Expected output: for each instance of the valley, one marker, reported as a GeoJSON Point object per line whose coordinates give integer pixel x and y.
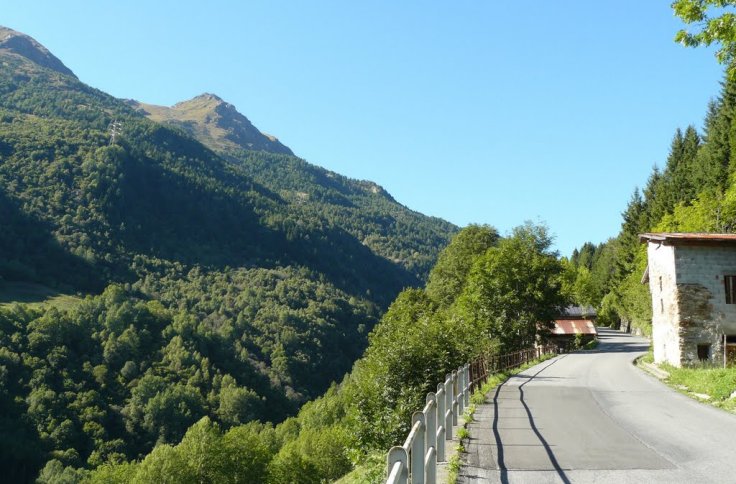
{"type": "Point", "coordinates": [183, 298]}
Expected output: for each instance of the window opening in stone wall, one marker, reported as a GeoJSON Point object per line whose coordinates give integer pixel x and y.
{"type": "Point", "coordinates": [660, 283]}
{"type": "Point", "coordinates": [661, 306]}
{"type": "Point", "coordinates": [730, 284]}
{"type": "Point", "coordinates": [704, 352]}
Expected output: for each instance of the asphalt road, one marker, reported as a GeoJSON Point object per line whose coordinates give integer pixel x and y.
{"type": "Point", "coordinates": [594, 417]}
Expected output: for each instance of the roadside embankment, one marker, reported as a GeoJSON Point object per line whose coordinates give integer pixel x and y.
{"type": "Point", "coordinates": [715, 386]}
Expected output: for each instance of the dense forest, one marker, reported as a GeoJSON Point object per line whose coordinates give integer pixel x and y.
{"type": "Point", "coordinates": [210, 293]}
{"type": "Point", "coordinates": [486, 294]}
{"type": "Point", "coordinates": [693, 192]}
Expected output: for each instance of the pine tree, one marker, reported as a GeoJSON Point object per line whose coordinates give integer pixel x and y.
{"type": "Point", "coordinates": [685, 185]}
{"type": "Point", "coordinates": [657, 199]}
{"type": "Point", "coordinates": [629, 237]}
{"type": "Point", "coordinates": [715, 157]}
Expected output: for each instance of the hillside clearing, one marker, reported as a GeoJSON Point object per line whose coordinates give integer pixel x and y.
{"type": "Point", "coordinates": [35, 295]}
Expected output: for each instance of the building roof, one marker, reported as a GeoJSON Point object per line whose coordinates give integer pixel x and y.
{"type": "Point", "coordinates": [692, 238]}
{"type": "Point", "coordinates": [574, 326]}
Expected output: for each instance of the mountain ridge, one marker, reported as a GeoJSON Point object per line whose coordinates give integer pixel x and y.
{"type": "Point", "coordinates": [311, 188]}
{"type": "Point", "coordinates": [17, 43]}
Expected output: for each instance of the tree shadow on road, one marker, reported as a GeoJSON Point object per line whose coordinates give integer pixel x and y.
{"type": "Point", "coordinates": [496, 434]}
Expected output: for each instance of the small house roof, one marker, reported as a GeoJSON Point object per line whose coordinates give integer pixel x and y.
{"type": "Point", "coordinates": [688, 238]}
{"type": "Point", "coordinates": [574, 326]}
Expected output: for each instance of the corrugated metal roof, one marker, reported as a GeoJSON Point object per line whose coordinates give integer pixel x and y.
{"type": "Point", "coordinates": [574, 326]}
{"type": "Point", "coordinates": [672, 238]}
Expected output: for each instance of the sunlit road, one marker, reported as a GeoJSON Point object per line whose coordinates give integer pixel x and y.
{"type": "Point", "coordinates": [594, 417]}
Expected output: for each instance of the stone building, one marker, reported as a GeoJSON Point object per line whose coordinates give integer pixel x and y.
{"type": "Point", "coordinates": [692, 280]}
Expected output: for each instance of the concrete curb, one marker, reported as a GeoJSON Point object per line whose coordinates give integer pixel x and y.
{"type": "Point", "coordinates": [653, 370]}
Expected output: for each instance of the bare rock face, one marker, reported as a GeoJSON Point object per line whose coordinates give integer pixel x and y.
{"type": "Point", "coordinates": [25, 46]}
{"type": "Point", "coordinates": [215, 123]}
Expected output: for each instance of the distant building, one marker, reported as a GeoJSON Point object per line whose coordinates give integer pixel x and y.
{"type": "Point", "coordinates": [692, 279]}
{"type": "Point", "coordinates": [572, 321]}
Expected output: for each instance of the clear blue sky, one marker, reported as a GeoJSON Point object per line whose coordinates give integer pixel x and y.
{"type": "Point", "coordinates": [473, 111]}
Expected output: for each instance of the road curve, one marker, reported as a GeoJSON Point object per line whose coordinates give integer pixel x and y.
{"type": "Point", "coordinates": [593, 417]}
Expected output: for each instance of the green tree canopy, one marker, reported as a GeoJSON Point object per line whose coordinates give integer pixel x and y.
{"type": "Point", "coordinates": [514, 288]}
{"type": "Point", "coordinates": [447, 278]}
{"type": "Point", "coordinates": [714, 22]}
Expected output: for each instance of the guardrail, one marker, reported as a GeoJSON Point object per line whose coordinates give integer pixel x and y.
{"type": "Point", "coordinates": [484, 366]}
{"type": "Point", "coordinates": [416, 460]}
{"type": "Point", "coordinates": [431, 428]}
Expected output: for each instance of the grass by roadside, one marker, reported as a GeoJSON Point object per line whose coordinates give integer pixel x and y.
{"type": "Point", "coordinates": [648, 358]}
{"type": "Point", "coordinates": [716, 386]}
{"type": "Point", "coordinates": [463, 434]}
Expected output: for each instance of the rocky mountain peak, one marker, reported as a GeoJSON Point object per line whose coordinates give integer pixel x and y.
{"type": "Point", "coordinates": [214, 122]}
{"type": "Point", "coordinates": [20, 44]}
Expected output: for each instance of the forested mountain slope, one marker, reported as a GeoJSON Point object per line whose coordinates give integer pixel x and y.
{"type": "Point", "coordinates": [224, 297]}
{"type": "Point", "coordinates": [486, 294]}
{"type": "Point", "coordinates": [362, 208]}
{"type": "Point", "coordinates": [694, 192]}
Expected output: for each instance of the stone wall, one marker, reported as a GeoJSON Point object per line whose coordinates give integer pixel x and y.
{"type": "Point", "coordinates": [704, 314]}
{"type": "Point", "coordinates": [698, 322]}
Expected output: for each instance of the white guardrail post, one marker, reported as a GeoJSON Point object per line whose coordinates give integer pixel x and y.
{"type": "Point", "coordinates": [430, 467]}
{"type": "Point", "coordinates": [417, 450]}
{"type": "Point", "coordinates": [466, 371]}
{"type": "Point", "coordinates": [460, 392]}
{"type": "Point", "coordinates": [454, 397]}
{"type": "Point", "coordinates": [448, 406]}
{"type": "Point", "coordinates": [430, 439]}
{"type": "Point", "coordinates": [430, 422]}
{"type": "Point", "coordinates": [398, 466]}
{"type": "Point", "coordinates": [441, 429]}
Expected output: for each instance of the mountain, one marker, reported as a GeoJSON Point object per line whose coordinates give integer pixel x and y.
{"type": "Point", "coordinates": [215, 123]}
{"type": "Point", "coordinates": [362, 208]}
{"type": "Point", "coordinates": [16, 43]}
{"type": "Point", "coordinates": [235, 284]}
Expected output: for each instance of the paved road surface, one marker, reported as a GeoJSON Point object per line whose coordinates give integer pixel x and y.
{"type": "Point", "coordinates": [594, 417]}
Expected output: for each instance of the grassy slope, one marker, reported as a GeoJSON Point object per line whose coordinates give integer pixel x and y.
{"type": "Point", "coordinates": [193, 116]}
{"type": "Point", "coordinates": [35, 295]}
